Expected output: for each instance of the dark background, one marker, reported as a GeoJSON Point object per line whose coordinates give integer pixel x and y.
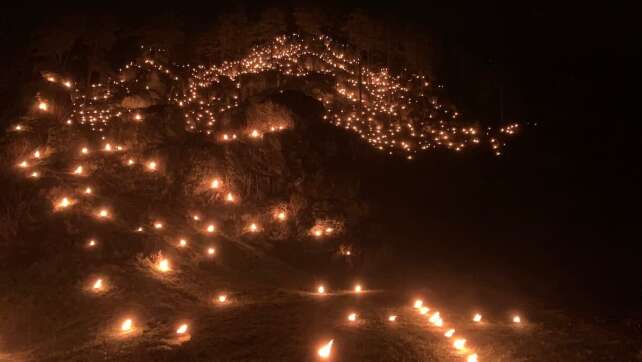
{"type": "Point", "coordinates": [557, 213]}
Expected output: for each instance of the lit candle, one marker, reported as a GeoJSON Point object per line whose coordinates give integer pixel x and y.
{"type": "Point", "coordinates": [352, 317]}
{"type": "Point", "coordinates": [459, 344]}
{"type": "Point", "coordinates": [98, 284]}
{"type": "Point", "coordinates": [357, 288]}
{"type": "Point", "coordinates": [477, 318]}
{"type": "Point", "coordinates": [163, 265]}
{"type": "Point", "coordinates": [325, 350]}
{"type": "Point", "coordinates": [182, 329]}
{"type": "Point", "coordinates": [127, 325]}
{"type": "Point", "coordinates": [517, 319]}
{"type": "Point", "coordinates": [449, 333]}
{"type": "Point", "coordinates": [211, 251]}
{"type": "Point", "coordinates": [222, 298]}
{"type": "Point", "coordinates": [392, 318]}
{"type": "Point", "coordinates": [321, 289]}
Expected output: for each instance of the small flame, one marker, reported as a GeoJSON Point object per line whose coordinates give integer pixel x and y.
{"type": "Point", "coordinates": [23, 164]}
{"type": "Point", "coordinates": [127, 325]}
{"type": "Point", "coordinates": [424, 310]}
{"type": "Point", "coordinates": [151, 165]}
{"type": "Point", "coordinates": [352, 317]}
{"type": "Point", "coordinates": [229, 197]}
{"type": "Point", "coordinates": [392, 318]}
{"type": "Point", "coordinates": [91, 243]}
{"type": "Point", "coordinates": [211, 228]}
{"type": "Point", "coordinates": [64, 203]}
{"type": "Point", "coordinates": [78, 170]}
{"type": "Point", "coordinates": [357, 288]}
{"type": "Point", "coordinates": [254, 228]}
{"type": "Point", "coordinates": [325, 350]}
{"type": "Point", "coordinates": [459, 344]}
{"type": "Point", "coordinates": [158, 225]}
{"type": "Point", "coordinates": [84, 150]}
{"type": "Point", "coordinates": [107, 147]}
{"type": "Point", "coordinates": [182, 243]}
{"type": "Point", "coordinates": [36, 154]}
{"type": "Point", "coordinates": [103, 213]}
{"type": "Point", "coordinates": [211, 251]}
{"type": "Point", "coordinates": [163, 265]}
{"type": "Point", "coordinates": [138, 117]}
{"type": "Point", "coordinates": [216, 183]}
{"type": "Point", "coordinates": [98, 284]}
{"type": "Point", "coordinates": [182, 329]}
{"type": "Point", "coordinates": [477, 318]}
{"type": "Point", "coordinates": [472, 358]}
{"type": "Point", "coordinates": [517, 319]}
{"type": "Point", "coordinates": [281, 216]}
{"type": "Point", "coordinates": [321, 289]}
{"type": "Point", "coordinates": [88, 190]}
{"type": "Point", "coordinates": [418, 303]}
{"type": "Point", "coordinates": [43, 106]}
{"type": "Point", "coordinates": [222, 298]}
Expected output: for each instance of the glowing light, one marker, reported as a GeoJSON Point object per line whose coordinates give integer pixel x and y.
{"type": "Point", "coordinates": [477, 318]}
{"type": "Point", "coordinates": [88, 190]}
{"type": "Point", "coordinates": [211, 251]}
{"type": "Point", "coordinates": [158, 225]}
{"type": "Point", "coordinates": [98, 285]}
{"type": "Point", "coordinates": [517, 319]}
{"type": "Point", "coordinates": [436, 319]}
{"type": "Point", "coordinates": [151, 165]}
{"type": "Point", "coordinates": [91, 243]}
{"type": "Point", "coordinates": [326, 350]}
{"type": "Point", "coordinates": [222, 298]}
{"type": "Point", "coordinates": [352, 317]}
{"type": "Point", "coordinates": [216, 183]}
{"type": "Point", "coordinates": [163, 265]}
{"type": "Point", "coordinates": [255, 134]}
{"type": "Point", "coordinates": [35, 174]}
{"type": "Point", "coordinates": [424, 310]}
{"type": "Point", "coordinates": [43, 106]}
{"type": "Point", "coordinates": [418, 303]}
{"type": "Point", "coordinates": [107, 147]}
{"type": "Point", "coordinates": [459, 344]}
{"type": "Point", "coordinates": [253, 227]}
{"type": "Point", "coordinates": [182, 243]}
{"type": "Point", "coordinates": [23, 164]}
{"type": "Point", "coordinates": [84, 150]}
{"type": "Point", "coordinates": [130, 161]}
{"type": "Point", "coordinates": [18, 127]}
{"type": "Point", "coordinates": [67, 84]}
{"type": "Point", "coordinates": [449, 333]}
{"type": "Point", "coordinates": [281, 216]}
{"type": "Point", "coordinates": [127, 325]}
{"type": "Point", "coordinates": [182, 329]}
{"type": "Point", "coordinates": [472, 358]}
{"type": "Point", "coordinates": [211, 228]}
{"type": "Point", "coordinates": [64, 203]}
{"type": "Point", "coordinates": [138, 117]}
{"type": "Point", "coordinates": [78, 170]}
{"type": "Point", "coordinates": [36, 154]}
{"type": "Point", "coordinates": [229, 197]}
{"type": "Point", "coordinates": [103, 213]}
{"type": "Point", "coordinates": [321, 289]}
{"type": "Point", "coordinates": [392, 318]}
{"type": "Point", "coordinates": [357, 288]}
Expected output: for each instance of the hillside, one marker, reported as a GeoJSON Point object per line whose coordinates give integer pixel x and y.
{"type": "Point", "coordinates": [184, 213]}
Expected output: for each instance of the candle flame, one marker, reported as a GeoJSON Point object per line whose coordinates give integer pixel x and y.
{"type": "Point", "coordinates": [127, 325]}
{"type": "Point", "coordinates": [163, 265]}
{"type": "Point", "coordinates": [418, 303]}
{"type": "Point", "coordinates": [459, 344]}
{"type": "Point", "coordinates": [472, 358]}
{"type": "Point", "coordinates": [352, 317]}
{"type": "Point", "coordinates": [222, 298]}
{"type": "Point", "coordinates": [517, 319]}
{"type": "Point", "coordinates": [325, 350]}
{"type": "Point", "coordinates": [321, 289]}
{"type": "Point", "coordinates": [182, 329]}
{"type": "Point", "coordinates": [211, 251]}
{"type": "Point", "coordinates": [392, 318]}
{"type": "Point", "coordinates": [98, 284]}
{"type": "Point", "coordinates": [477, 318]}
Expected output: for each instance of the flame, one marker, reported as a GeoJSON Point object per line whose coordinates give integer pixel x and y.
{"type": "Point", "coordinates": [67, 84]}
{"type": "Point", "coordinates": [182, 243]}
{"type": "Point", "coordinates": [352, 317]}
{"type": "Point", "coordinates": [138, 117]}
{"type": "Point", "coordinates": [229, 197]}
{"type": "Point", "coordinates": [211, 228]}
{"type": "Point", "coordinates": [357, 288]}
{"type": "Point", "coordinates": [459, 344]}
{"type": "Point", "coordinates": [103, 213]}
{"type": "Point", "coordinates": [255, 134]}
{"type": "Point", "coordinates": [91, 243]}
{"type": "Point", "coordinates": [436, 319]}
{"type": "Point", "coordinates": [424, 310]}
{"type": "Point", "coordinates": [130, 161]}
{"type": "Point", "coordinates": [35, 174]}
{"type": "Point", "coordinates": [281, 216]}
{"type": "Point", "coordinates": [472, 358]}
{"type": "Point", "coordinates": [517, 319]}
{"type": "Point", "coordinates": [163, 265]}
{"type": "Point", "coordinates": [18, 127]}
{"type": "Point", "coordinates": [43, 106]}
{"type": "Point", "coordinates": [392, 318]}
{"type": "Point", "coordinates": [216, 183]}
{"type": "Point", "coordinates": [222, 298]}
{"type": "Point", "coordinates": [64, 203]}
{"type": "Point", "coordinates": [158, 225]}
{"type": "Point", "coordinates": [127, 325]}
{"type": "Point", "coordinates": [477, 318]}
{"type": "Point", "coordinates": [98, 284]}
{"type": "Point", "coordinates": [254, 228]}
{"type": "Point", "coordinates": [78, 170]}
{"type": "Point", "coordinates": [36, 154]}
{"type": "Point", "coordinates": [449, 333]}
{"type": "Point", "coordinates": [84, 150]}
{"type": "Point", "coordinates": [107, 147]}
{"type": "Point", "coordinates": [88, 190]}
{"type": "Point", "coordinates": [23, 164]}
{"type": "Point", "coordinates": [418, 303]}
{"type": "Point", "coordinates": [325, 350]}
{"type": "Point", "coordinates": [151, 165]}
{"type": "Point", "coordinates": [182, 329]}
{"type": "Point", "coordinates": [321, 289]}
{"type": "Point", "coordinates": [211, 251]}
